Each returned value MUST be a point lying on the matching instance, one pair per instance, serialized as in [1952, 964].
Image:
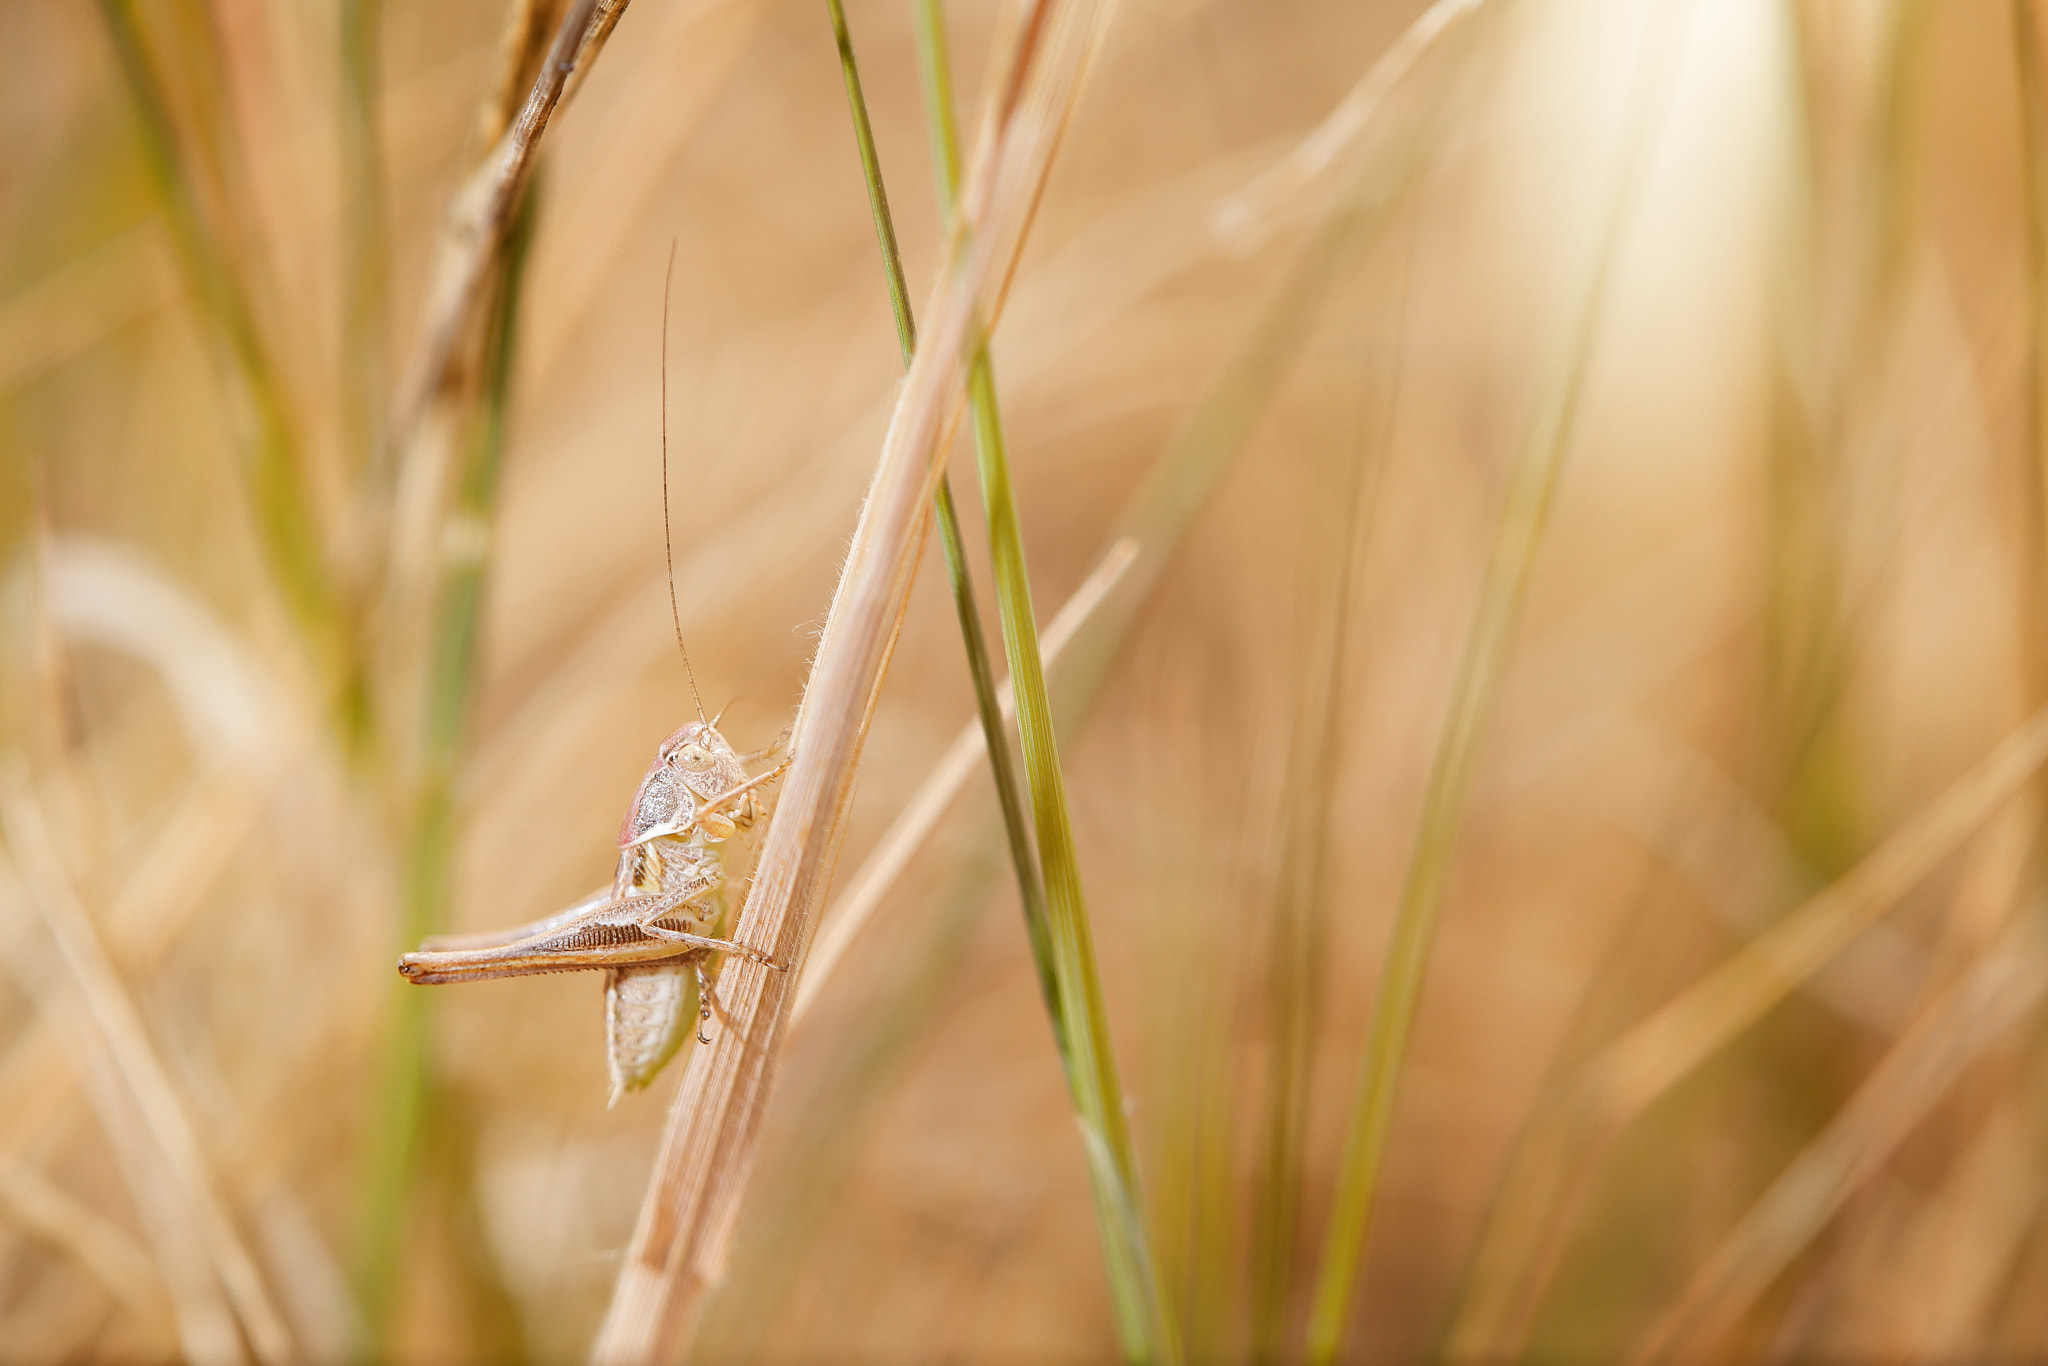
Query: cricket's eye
[694, 756]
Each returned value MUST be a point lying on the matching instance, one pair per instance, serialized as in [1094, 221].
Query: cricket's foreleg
[773, 749]
[733, 794]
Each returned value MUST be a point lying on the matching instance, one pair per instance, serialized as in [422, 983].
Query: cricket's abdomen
[649, 1009]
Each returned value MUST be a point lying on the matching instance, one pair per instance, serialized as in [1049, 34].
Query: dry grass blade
[1952, 1033]
[79, 304]
[2033, 92]
[934, 797]
[142, 1073]
[995, 747]
[686, 1217]
[183, 862]
[1653, 1056]
[365, 264]
[202, 1319]
[482, 216]
[1248, 216]
[102, 595]
[99, 1245]
[1532, 489]
[1630, 1074]
[286, 520]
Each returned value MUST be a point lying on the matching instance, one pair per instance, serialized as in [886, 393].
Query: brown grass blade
[681, 70]
[1515, 1254]
[1248, 216]
[203, 1322]
[479, 220]
[80, 304]
[126, 1040]
[686, 1219]
[1950, 1034]
[94, 1242]
[100, 594]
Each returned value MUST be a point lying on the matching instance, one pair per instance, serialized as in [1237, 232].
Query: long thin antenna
[667, 541]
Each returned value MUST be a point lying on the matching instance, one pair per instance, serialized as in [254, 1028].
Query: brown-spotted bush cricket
[686, 851]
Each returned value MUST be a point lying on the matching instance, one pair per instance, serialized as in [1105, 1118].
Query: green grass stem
[407, 1103]
[836, 1092]
[1009, 792]
[1293, 976]
[286, 525]
[1532, 489]
[1146, 1332]
[364, 240]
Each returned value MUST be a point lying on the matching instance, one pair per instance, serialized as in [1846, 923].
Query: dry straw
[1998, 991]
[686, 1217]
[110, 1036]
[1516, 1252]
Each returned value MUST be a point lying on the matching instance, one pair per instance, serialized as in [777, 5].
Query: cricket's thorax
[694, 767]
[650, 1009]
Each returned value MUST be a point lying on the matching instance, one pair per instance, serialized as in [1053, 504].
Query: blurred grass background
[1792, 586]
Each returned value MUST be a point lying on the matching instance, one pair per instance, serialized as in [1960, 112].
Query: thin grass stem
[481, 216]
[407, 1101]
[1532, 489]
[127, 1042]
[995, 734]
[286, 524]
[1066, 952]
[1294, 979]
[2033, 99]
[1955, 1029]
[364, 245]
[688, 1214]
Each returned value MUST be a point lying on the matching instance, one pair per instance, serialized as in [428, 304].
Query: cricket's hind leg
[493, 939]
[645, 913]
[705, 941]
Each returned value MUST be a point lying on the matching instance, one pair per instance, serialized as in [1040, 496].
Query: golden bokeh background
[1764, 277]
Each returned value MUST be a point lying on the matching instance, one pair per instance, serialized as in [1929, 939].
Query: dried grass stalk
[1517, 1250]
[125, 1040]
[481, 215]
[1249, 216]
[687, 1216]
[1952, 1033]
[96, 1243]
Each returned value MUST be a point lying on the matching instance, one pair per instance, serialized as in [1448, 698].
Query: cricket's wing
[605, 934]
[491, 939]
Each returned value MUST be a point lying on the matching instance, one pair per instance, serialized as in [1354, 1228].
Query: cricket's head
[691, 767]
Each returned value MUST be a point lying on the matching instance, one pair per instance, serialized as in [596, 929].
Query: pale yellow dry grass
[1785, 601]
